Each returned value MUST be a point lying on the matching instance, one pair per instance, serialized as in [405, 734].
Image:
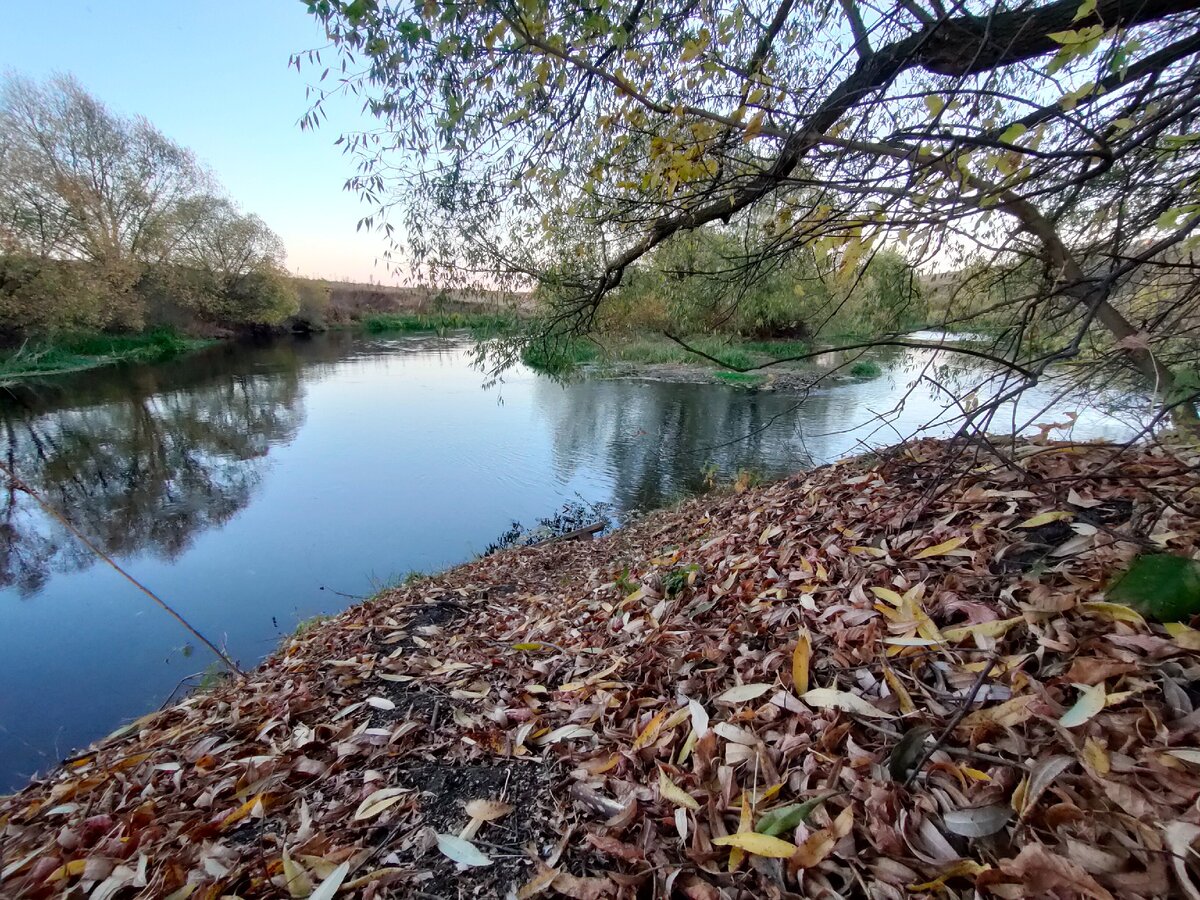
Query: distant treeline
[107, 224]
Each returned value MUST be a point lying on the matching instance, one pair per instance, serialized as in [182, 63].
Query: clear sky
[213, 75]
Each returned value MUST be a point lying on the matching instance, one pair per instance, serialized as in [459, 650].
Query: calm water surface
[239, 481]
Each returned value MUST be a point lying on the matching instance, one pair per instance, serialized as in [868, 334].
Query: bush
[866, 368]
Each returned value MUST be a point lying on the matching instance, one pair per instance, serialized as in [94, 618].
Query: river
[247, 483]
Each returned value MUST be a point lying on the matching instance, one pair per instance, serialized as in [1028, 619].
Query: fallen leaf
[977, 822]
[668, 790]
[329, 887]
[800, 661]
[1046, 518]
[943, 548]
[1091, 701]
[828, 698]
[464, 852]
[757, 844]
[742, 693]
[786, 818]
[379, 801]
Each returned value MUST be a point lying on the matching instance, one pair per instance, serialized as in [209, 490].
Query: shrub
[866, 368]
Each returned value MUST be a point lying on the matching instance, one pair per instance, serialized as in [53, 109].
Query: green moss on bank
[76, 352]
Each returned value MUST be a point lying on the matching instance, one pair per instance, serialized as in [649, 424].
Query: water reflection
[658, 441]
[142, 472]
[240, 481]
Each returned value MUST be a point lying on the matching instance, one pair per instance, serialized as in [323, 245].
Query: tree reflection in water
[655, 441]
[143, 460]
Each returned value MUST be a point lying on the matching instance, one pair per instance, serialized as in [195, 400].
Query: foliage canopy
[563, 143]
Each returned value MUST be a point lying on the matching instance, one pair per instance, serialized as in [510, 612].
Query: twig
[178, 685]
[20, 485]
[343, 594]
[954, 720]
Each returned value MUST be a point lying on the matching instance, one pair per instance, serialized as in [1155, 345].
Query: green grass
[866, 368]
[304, 626]
[486, 323]
[778, 349]
[741, 379]
[559, 359]
[73, 352]
[653, 349]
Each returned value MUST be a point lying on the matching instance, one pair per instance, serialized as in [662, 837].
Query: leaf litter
[872, 682]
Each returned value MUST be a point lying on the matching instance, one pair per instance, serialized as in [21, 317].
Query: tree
[562, 143]
[103, 218]
[78, 182]
[232, 264]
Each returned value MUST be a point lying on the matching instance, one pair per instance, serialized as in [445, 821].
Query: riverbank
[730, 695]
[782, 364]
[68, 353]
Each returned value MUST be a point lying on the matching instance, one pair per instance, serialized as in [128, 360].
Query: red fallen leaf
[1095, 669]
[583, 888]
[1041, 872]
[695, 889]
[614, 847]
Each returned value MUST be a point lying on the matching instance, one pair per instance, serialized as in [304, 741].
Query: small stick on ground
[954, 720]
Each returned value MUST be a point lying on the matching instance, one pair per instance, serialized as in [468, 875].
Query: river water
[240, 481]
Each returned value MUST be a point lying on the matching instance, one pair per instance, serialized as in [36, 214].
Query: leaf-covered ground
[886, 678]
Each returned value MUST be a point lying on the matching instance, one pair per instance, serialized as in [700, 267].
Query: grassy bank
[722, 354]
[655, 349]
[77, 352]
[709, 669]
[483, 323]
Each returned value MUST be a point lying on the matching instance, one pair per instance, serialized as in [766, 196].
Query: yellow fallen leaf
[1008, 714]
[650, 732]
[758, 844]
[538, 883]
[1187, 754]
[374, 875]
[67, 870]
[943, 548]
[964, 868]
[1096, 756]
[887, 594]
[994, 629]
[744, 822]
[669, 790]
[1045, 518]
[1185, 637]
[1017, 800]
[1113, 612]
[815, 848]
[600, 765]
[897, 687]
[258, 800]
[844, 823]
[294, 874]
[800, 659]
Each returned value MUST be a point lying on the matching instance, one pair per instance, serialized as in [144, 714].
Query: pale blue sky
[213, 75]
